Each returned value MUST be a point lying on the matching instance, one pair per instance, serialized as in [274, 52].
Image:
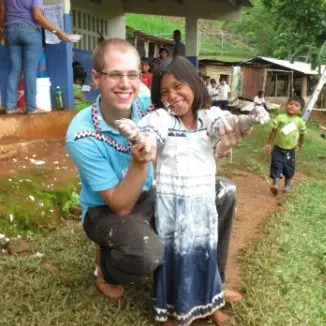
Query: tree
[258, 26]
[299, 24]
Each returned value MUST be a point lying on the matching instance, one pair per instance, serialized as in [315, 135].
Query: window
[88, 25]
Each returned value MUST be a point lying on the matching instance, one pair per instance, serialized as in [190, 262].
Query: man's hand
[62, 36]
[267, 149]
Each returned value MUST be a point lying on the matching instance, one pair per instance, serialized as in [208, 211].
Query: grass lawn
[284, 268]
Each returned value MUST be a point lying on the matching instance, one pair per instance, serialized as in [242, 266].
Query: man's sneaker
[274, 189]
[112, 291]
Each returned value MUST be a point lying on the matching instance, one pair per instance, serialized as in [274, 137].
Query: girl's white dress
[188, 284]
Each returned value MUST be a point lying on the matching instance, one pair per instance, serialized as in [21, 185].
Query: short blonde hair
[117, 44]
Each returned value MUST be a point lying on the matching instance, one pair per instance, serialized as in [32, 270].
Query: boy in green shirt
[287, 136]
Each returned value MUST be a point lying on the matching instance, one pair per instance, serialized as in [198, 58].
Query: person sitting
[260, 100]
[163, 54]
[80, 75]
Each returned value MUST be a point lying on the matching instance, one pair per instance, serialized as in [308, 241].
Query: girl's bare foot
[169, 322]
[232, 296]
[15, 112]
[37, 111]
[220, 318]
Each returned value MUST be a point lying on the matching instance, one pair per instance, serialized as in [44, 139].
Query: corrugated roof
[299, 66]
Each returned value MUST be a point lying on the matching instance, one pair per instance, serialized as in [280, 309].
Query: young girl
[188, 284]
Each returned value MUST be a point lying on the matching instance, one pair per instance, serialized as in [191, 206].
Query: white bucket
[43, 94]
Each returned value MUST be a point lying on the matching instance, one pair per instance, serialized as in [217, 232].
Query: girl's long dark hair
[184, 71]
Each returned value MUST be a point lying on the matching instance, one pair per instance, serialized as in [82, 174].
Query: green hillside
[215, 44]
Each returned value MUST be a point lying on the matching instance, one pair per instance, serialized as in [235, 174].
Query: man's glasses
[117, 75]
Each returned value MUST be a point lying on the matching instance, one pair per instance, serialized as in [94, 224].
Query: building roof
[132, 32]
[217, 62]
[302, 67]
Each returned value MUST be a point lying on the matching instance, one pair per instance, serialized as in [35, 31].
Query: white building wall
[89, 18]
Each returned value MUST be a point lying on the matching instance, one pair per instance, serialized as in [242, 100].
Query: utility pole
[315, 94]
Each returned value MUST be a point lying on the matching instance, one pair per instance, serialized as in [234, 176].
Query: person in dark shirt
[179, 48]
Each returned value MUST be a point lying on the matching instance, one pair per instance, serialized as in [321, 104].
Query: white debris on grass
[2, 236]
[14, 160]
[38, 254]
[56, 162]
[34, 155]
[37, 162]
[10, 180]
[24, 166]
[11, 218]
[41, 204]
[32, 198]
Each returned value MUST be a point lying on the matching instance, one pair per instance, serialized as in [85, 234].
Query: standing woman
[21, 21]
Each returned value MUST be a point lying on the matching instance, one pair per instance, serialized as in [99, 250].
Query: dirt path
[255, 204]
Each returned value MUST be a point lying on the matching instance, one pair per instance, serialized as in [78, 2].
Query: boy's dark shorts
[283, 163]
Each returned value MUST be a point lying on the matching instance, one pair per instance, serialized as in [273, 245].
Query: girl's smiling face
[177, 96]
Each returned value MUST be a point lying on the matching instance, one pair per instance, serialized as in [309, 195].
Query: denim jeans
[24, 43]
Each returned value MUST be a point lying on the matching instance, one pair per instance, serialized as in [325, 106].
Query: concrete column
[59, 67]
[117, 26]
[192, 38]
[146, 48]
[66, 6]
[304, 86]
